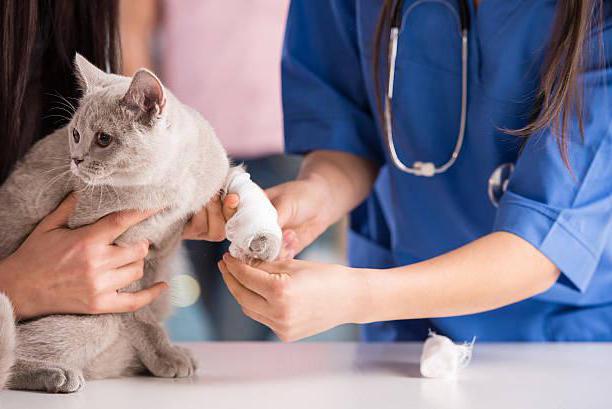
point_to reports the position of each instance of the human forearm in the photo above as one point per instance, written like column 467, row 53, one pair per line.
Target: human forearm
column 137, row 20
column 496, row 270
column 344, row 179
column 297, row 298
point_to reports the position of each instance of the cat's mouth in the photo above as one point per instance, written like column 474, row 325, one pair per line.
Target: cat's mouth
column 92, row 175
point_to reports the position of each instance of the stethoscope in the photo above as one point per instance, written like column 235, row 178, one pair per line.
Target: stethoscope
column 498, row 180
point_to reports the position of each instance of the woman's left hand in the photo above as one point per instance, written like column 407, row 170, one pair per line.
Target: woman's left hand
column 295, row 298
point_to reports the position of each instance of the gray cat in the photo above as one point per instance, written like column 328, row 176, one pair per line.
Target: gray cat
column 130, row 145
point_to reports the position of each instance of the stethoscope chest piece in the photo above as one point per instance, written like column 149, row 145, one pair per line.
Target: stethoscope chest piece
column 498, row 182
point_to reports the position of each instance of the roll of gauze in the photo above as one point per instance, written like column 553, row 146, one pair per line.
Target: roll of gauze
column 441, row 358
column 253, row 231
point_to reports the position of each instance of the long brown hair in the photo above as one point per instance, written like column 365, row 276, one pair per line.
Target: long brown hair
column 560, row 95
column 39, row 40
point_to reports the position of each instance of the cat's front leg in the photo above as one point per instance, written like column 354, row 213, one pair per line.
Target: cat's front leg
column 154, row 348
column 253, row 231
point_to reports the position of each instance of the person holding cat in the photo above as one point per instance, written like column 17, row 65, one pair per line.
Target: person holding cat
column 81, row 271
column 58, row 270
column 499, row 237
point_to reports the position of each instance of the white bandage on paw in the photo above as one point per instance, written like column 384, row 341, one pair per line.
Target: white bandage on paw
column 441, row 358
column 253, row 231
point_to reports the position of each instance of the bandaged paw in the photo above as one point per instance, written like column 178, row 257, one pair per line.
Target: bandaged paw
column 253, row 231
column 441, row 358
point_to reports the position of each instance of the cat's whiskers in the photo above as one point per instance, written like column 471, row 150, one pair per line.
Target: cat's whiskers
column 62, row 108
column 55, row 169
column 63, row 101
column 100, row 198
column 117, row 195
column 50, row 183
column 62, row 117
column 70, row 176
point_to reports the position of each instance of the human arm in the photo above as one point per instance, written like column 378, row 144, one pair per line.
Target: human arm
column 297, row 299
column 137, row 21
column 325, row 177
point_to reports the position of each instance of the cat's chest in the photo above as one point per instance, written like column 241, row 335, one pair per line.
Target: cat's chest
column 170, row 211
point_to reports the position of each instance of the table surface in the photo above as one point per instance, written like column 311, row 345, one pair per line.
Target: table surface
column 351, row 375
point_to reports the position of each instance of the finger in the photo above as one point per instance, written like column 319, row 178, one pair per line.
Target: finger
column 245, row 297
column 115, row 224
column 130, row 302
column 216, row 222
column 124, row 276
column 197, row 228
column 290, row 245
column 120, row 256
column 255, row 279
column 230, row 205
column 59, row 217
column 302, row 236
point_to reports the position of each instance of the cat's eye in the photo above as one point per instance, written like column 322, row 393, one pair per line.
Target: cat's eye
column 76, row 136
column 103, row 139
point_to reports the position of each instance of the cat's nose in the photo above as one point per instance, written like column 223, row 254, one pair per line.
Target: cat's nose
column 77, row 161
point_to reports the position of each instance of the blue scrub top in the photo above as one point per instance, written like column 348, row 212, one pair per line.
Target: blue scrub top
column 329, row 103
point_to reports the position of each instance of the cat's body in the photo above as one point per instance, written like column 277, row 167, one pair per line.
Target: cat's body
column 56, row 353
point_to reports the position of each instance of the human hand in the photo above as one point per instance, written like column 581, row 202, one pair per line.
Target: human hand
column 59, row 270
column 209, row 223
column 294, row 298
column 303, row 214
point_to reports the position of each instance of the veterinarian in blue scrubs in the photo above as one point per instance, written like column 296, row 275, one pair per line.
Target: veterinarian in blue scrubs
column 513, row 241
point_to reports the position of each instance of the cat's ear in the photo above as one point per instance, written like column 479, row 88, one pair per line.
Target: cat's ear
column 146, row 94
column 89, row 75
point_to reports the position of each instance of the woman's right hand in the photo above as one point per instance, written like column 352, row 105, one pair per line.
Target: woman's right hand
column 59, row 270
column 303, row 213
column 330, row 184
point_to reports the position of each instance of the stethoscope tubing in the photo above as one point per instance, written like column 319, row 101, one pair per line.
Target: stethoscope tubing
column 426, row 169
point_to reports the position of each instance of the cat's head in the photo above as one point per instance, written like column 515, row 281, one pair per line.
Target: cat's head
column 118, row 135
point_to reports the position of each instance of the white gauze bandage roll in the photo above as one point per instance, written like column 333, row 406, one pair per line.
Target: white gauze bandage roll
column 253, row 231
column 442, row 358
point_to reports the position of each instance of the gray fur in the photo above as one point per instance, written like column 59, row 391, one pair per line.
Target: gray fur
column 166, row 156
column 7, row 337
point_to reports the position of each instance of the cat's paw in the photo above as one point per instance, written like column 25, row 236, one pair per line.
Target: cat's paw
column 261, row 246
column 187, row 351
column 173, row 362
column 61, row 380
